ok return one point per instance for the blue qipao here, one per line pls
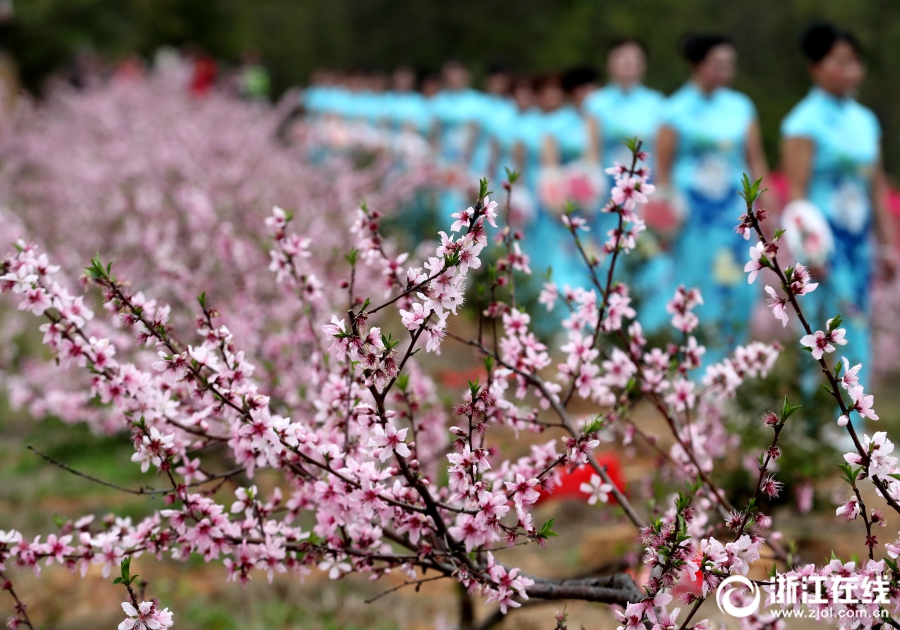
(552, 244)
(846, 138)
(621, 114)
(709, 162)
(455, 113)
(407, 110)
(495, 116)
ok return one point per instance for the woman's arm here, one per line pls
(666, 142)
(594, 152)
(796, 160)
(549, 152)
(885, 227)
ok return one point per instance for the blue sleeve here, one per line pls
(800, 123)
(873, 122)
(749, 107)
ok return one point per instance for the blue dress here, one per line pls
(455, 112)
(494, 116)
(625, 114)
(846, 138)
(551, 241)
(621, 114)
(409, 109)
(709, 161)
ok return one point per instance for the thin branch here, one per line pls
(144, 490)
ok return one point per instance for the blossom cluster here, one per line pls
(322, 395)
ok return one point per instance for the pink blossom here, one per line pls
(596, 490)
(754, 266)
(145, 617)
(388, 440)
(778, 305)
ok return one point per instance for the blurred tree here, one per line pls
(296, 36)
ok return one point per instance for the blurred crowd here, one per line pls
(563, 132)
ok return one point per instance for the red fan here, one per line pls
(570, 485)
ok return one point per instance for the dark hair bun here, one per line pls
(820, 38)
(574, 78)
(695, 48)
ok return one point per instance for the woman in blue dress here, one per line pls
(496, 109)
(832, 157)
(710, 137)
(455, 111)
(559, 136)
(625, 108)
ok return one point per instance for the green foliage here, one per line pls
(546, 530)
(127, 579)
(787, 409)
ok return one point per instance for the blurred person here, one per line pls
(253, 77)
(579, 83)
(509, 151)
(407, 108)
(709, 137)
(558, 137)
(131, 68)
(498, 81)
(624, 107)
(429, 83)
(831, 154)
(368, 103)
(205, 72)
(315, 95)
(455, 111)
(497, 108)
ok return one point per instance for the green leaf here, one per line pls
(546, 530)
(787, 409)
(352, 257)
(202, 300)
(595, 425)
(511, 176)
(483, 188)
(750, 192)
(835, 322)
(118, 580)
(632, 144)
